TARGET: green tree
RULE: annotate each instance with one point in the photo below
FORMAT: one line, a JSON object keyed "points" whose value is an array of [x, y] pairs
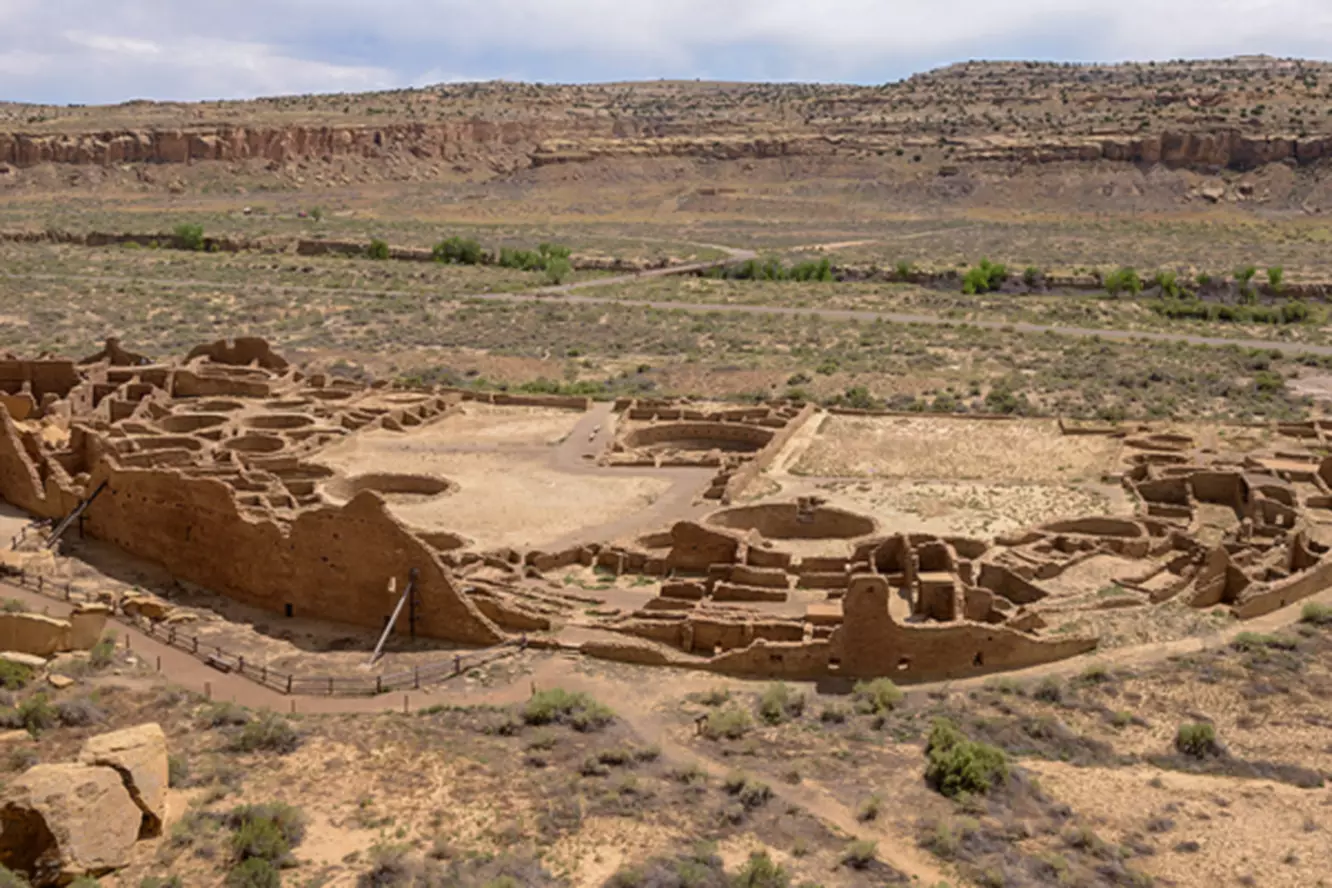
{"points": [[378, 249], [190, 236]]}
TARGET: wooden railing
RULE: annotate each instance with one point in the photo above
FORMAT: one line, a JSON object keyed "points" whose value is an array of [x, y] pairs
{"points": [[286, 682]]}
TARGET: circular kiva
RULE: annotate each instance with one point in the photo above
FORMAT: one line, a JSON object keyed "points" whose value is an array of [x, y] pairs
{"points": [[788, 521], [279, 421], [190, 422], [396, 486], [255, 444], [728, 436]]}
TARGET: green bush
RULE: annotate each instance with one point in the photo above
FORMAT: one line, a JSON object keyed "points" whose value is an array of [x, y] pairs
{"points": [[554, 251], [877, 696], [820, 270], [269, 732], [254, 873], [869, 809], [958, 765], [904, 270], [1197, 739], [576, 709], [377, 249], [1168, 284], [984, 278], [268, 831], [178, 771], [1031, 276], [761, 872], [37, 714], [523, 260], [225, 714], [162, 882], [779, 702], [1123, 280], [1252, 641], [1269, 383], [729, 723], [190, 237], [458, 251], [860, 854], [14, 606], [1276, 276], [558, 270], [14, 676], [103, 652], [1317, 614]]}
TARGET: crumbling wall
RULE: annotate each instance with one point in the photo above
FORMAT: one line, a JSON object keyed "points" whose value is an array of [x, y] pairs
{"points": [[334, 562], [28, 479], [1260, 599], [871, 643]]}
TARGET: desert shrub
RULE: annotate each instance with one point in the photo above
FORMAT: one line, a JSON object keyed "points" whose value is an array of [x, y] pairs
{"points": [[729, 723], [779, 702], [458, 251], [14, 606], [103, 652], [268, 831], [14, 676], [820, 270], [958, 765], [269, 732], [1168, 283], [877, 696], [576, 709], [749, 792], [833, 713], [178, 771], [79, 713], [254, 873], [1317, 614], [162, 882], [984, 278], [11, 879], [1049, 690], [190, 237], [36, 714], [711, 697], [225, 714], [1031, 275], [759, 871], [554, 251], [869, 809], [557, 270], [1269, 383], [523, 260], [1276, 276], [1124, 280], [378, 249], [904, 270], [1197, 739], [860, 854], [1248, 642]]}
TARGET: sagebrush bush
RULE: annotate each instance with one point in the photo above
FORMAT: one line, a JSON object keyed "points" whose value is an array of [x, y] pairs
{"points": [[984, 278], [878, 696], [191, 237], [779, 702], [269, 732], [14, 676], [1316, 614], [958, 765], [254, 873], [576, 709], [1197, 739], [378, 249], [727, 723]]}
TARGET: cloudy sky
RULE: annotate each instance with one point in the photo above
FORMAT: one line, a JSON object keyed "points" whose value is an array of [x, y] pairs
{"points": [[113, 50]]}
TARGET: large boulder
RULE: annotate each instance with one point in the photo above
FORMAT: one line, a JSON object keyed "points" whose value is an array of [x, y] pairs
{"points": [[34, 634], [87, 623], [139, 754], [59, 822], [146, 606]]}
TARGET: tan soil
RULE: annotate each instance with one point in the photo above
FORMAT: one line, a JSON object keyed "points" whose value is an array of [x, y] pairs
{"points": [[1031, 451]]}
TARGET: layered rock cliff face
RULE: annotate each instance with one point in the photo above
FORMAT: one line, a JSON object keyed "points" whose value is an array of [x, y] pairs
{"points": [[1207, 115], [512, 145], [278, 143]]}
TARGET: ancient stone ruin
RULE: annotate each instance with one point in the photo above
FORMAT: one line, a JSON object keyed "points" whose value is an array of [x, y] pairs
{"points": [[220, 467]]}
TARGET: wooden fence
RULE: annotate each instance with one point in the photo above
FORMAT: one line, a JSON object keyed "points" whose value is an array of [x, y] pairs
{"points": [[286, 682]]}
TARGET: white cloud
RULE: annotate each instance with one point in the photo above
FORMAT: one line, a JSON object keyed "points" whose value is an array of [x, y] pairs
{"points": [[80, 50]]}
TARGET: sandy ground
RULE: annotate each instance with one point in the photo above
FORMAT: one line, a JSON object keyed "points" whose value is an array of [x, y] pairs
{"points": [[1249, 832], [1030, 451], [960, 508], [509, 493]]}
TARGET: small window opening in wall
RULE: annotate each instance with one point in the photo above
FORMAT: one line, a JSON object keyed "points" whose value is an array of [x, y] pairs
{"points": [[287, 609], [904, 664], [978, 660]]}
